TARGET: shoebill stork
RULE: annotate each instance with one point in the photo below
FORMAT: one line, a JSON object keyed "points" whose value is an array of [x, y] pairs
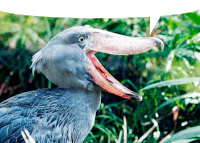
{"points": [[67, 113]]}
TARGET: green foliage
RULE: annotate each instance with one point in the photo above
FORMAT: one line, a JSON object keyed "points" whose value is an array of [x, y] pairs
{"points": [[186, 135], [169, 79], [173, 82]]}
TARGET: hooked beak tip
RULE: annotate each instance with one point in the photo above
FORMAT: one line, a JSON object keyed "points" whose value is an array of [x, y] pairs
{"points": [[136, 97], [159, 43]]}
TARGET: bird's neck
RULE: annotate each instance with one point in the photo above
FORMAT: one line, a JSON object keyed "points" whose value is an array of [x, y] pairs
{"points": [[91, 98], [94, 99]]}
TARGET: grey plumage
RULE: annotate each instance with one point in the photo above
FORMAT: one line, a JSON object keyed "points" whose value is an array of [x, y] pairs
{"points": [[55, 115], [50, 115], [67, 114]]}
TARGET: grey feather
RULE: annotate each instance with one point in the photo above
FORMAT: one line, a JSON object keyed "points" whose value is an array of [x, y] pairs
{"points": [[46, 120]]}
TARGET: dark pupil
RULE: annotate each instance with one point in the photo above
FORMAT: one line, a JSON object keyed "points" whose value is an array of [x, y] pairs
{"points": [[81, 39]]}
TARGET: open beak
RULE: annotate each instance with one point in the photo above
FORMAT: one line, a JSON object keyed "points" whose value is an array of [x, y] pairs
{"points": [[111, 43]]}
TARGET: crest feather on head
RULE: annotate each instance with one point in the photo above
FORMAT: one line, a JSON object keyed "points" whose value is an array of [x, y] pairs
{"points": [[37, 62]]}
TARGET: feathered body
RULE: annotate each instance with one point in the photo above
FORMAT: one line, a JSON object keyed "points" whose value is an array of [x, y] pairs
{"points": [[50, 115]]}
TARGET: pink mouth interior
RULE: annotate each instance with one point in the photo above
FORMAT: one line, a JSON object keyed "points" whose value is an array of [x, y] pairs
{"points": [[111, 84], [99, 68]]}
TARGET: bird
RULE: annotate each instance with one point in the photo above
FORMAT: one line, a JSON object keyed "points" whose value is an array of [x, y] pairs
{"points": [[67, 113]]}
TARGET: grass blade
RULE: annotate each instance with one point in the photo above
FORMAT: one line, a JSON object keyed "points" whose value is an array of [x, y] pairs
{"points": [[189, 95], [172, 82], [185, 134]]}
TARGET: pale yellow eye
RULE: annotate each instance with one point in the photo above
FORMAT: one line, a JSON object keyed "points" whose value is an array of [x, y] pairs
{"points": [[81, 39]]}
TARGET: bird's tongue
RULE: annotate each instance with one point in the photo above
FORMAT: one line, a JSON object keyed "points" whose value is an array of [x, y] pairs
{"points": [[104, 79]]}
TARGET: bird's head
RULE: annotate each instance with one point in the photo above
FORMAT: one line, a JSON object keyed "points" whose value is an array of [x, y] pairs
{"points": [[69, 61]]}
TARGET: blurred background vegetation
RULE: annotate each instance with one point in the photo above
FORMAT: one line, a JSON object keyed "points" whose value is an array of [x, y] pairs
{"points": [[169, 79]]}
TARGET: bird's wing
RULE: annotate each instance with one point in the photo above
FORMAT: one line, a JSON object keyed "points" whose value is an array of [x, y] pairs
{"points": [[16, 114], [40, 112], [19, 112]]}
